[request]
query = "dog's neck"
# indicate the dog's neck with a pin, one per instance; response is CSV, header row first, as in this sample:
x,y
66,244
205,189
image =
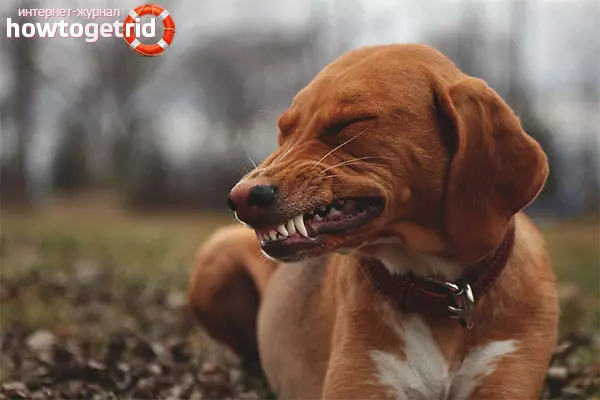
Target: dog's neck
x,y
400,261
439,289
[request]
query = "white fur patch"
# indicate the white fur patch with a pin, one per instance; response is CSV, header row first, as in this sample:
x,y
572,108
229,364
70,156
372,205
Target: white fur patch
x,y
479,363
425,374
398,260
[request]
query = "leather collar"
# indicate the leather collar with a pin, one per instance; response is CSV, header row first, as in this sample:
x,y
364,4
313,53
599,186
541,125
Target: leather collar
x,y
444,299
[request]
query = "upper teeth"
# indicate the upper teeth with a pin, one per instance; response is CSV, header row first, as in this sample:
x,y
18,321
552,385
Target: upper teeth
x,y
294,225
281,229
291,227
327,212
299,222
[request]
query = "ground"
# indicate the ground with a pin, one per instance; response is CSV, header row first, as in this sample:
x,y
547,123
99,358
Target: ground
x,y
93,305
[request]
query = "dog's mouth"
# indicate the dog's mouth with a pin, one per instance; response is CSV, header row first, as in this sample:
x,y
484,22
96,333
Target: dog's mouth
x,y
307,230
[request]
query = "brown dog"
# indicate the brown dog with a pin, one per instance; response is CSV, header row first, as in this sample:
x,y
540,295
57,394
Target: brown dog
x,y
390,211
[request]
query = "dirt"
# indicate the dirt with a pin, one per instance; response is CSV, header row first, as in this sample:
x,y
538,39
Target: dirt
x,y
139,343
105,317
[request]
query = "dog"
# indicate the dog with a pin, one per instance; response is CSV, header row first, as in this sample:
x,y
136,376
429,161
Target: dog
x,y
385,252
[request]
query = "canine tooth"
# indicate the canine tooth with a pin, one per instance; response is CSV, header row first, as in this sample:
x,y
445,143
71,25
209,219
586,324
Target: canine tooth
x,y
273,235
291,227
281,229
299,222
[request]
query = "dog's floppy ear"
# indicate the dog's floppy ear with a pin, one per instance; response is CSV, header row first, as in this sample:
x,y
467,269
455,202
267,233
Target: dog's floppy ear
x,y
495,171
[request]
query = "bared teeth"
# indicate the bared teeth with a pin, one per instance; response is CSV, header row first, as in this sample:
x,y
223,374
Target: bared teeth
x,y
291,228
299,222
282,232
335,211
281,229
273,235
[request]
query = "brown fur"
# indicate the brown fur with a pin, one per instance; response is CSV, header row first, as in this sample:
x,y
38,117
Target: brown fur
x,y
454,167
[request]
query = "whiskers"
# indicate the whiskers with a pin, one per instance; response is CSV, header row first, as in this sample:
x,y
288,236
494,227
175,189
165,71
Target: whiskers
x,y
327,177
279,159
320,176
251,160
352,161
339,147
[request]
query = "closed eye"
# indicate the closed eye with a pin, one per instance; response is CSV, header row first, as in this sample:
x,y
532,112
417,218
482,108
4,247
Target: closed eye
x,y
338,127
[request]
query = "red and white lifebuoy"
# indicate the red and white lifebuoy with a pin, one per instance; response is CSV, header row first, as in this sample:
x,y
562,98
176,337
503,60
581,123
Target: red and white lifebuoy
x,y
168,30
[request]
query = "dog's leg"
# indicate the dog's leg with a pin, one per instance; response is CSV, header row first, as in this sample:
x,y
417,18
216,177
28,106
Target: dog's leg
x,y
520,378
517,375
225,289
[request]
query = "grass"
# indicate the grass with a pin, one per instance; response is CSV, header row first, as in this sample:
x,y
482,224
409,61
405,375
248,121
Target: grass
x,y
86,269
89,275
153,250
575,251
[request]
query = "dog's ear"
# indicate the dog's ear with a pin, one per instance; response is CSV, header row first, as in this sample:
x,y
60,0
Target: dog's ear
x,y
495,171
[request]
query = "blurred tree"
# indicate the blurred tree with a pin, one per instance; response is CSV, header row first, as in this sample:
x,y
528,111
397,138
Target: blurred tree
x,y
591,176
18,108
148,174
103,147
120,74
241,73
589,88
71,166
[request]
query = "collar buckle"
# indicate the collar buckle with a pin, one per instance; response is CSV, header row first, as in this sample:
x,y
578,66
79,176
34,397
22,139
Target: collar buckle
x,y
464,308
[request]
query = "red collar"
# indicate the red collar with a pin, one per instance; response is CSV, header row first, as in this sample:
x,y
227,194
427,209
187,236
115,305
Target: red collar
x,y
440,299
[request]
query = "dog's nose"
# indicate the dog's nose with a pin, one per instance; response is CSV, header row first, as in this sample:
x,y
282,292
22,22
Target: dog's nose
x,y
261,196
250,200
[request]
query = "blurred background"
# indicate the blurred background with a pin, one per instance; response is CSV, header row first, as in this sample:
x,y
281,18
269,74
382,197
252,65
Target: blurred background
x,y
114,167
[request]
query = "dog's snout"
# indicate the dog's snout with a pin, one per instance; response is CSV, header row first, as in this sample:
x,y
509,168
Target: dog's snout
x,y
250,200
261,196
231,203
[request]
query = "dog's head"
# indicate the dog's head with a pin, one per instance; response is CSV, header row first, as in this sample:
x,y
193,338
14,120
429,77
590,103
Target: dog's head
x,y
392,142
